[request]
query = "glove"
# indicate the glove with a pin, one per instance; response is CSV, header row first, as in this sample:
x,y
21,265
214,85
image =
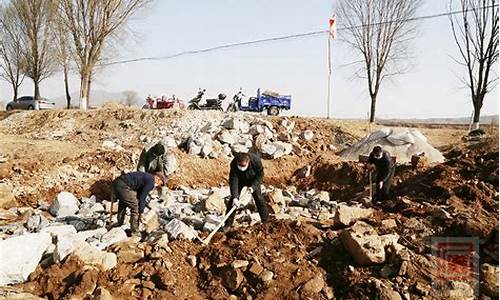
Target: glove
x,y
236,202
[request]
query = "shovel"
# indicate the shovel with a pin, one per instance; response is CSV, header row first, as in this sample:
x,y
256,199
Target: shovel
x,y
371,185
211,235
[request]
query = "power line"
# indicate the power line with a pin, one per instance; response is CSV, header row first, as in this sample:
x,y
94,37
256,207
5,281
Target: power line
x,y
286,37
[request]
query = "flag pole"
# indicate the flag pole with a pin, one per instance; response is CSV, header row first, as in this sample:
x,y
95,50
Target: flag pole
x,y
329,60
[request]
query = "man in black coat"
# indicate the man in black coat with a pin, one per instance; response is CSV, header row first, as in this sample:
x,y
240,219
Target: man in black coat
x,y
381,161
246,170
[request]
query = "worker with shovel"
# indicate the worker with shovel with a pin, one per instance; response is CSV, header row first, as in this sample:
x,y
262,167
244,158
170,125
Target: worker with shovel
x,y
246,170
131,190
381,161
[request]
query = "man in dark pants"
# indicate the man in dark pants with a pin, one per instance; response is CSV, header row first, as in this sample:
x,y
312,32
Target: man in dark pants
x,y
381,161
131,190
246,170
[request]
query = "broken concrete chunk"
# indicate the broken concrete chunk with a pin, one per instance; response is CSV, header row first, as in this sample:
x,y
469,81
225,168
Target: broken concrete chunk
x,y
176,228
215,203
65,245
59,230
266,276
92,256
237,264
314,286
64,205
19,256
389,224
231,278
84,235
113,236
347,215
365,245
36,223
307,135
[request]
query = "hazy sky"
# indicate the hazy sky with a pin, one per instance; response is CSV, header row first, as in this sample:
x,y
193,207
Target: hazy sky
x,y
296,67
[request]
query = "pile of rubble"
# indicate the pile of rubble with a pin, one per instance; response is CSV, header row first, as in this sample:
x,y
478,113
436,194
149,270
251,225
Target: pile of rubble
x,y
401,143
69,224
213,135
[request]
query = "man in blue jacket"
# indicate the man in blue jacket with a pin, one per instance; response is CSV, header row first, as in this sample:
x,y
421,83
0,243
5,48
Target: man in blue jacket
x,y
131,190
246,170
381,161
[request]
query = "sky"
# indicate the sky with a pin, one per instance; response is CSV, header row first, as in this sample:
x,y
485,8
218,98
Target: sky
x,y
298,67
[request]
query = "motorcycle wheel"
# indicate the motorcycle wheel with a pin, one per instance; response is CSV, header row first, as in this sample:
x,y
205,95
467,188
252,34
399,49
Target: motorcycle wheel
x,y
231,108
145,106
191,107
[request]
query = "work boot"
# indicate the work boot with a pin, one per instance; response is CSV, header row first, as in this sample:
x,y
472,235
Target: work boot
x,y
134,226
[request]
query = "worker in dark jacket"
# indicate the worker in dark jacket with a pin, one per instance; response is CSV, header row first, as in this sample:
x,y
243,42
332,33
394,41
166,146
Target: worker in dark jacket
x,y
246,170
381,161
153,160
131,190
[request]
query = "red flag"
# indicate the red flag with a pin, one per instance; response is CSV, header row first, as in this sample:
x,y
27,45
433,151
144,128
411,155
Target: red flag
x,y
332,22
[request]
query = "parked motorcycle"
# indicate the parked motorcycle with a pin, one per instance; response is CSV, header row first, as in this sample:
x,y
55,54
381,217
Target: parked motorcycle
x,y
236,104
211,104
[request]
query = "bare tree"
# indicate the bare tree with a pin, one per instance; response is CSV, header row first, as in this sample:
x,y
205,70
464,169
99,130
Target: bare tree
x,y
11,49
130,98
35,18
475,31
380,32
93,24
61,38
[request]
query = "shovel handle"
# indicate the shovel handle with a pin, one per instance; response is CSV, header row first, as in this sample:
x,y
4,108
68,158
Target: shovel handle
x,y
231,211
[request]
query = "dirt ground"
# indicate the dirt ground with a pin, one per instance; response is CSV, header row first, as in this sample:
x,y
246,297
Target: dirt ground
x,y
40,163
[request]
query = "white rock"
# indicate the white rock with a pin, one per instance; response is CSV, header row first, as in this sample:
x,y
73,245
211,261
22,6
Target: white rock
x,y
176,227
238,148
215,203
36,223
111,237
65,245
307,135
65,204
98,207
228,137
84,235
268,149
346,215
59,230
365,245
256,129
207,149
282,149
112,145
194,147
92,256
20,255
237,124
170,165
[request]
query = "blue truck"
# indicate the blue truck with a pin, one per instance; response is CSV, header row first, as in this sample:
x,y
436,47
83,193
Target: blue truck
x,y
271,102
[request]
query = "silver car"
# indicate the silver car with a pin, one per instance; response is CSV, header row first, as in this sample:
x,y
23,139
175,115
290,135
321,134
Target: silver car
x,y
28,102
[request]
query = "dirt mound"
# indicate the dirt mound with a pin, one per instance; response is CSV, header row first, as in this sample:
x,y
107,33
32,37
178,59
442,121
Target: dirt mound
x,y
342,179
280,247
